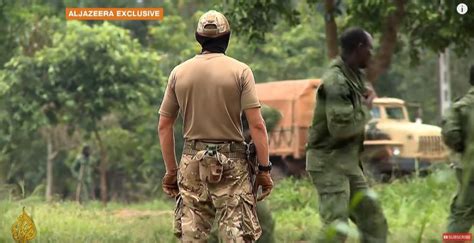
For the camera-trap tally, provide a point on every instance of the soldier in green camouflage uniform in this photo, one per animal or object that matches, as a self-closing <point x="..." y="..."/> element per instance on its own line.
<point x="458" y="135"/>
<point x="82" y="171"/>
<point x="335" y="144"/>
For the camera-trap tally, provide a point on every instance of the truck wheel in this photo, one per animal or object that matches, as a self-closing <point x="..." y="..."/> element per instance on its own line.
<point x="295" y="167"/>
<point x="279" y="170"/>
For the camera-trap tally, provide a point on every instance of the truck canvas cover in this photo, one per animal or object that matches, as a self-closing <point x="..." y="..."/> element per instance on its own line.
<point x="295" y="99"/>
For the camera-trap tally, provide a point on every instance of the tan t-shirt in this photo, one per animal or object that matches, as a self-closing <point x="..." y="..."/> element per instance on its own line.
<point x="210" y="91"/>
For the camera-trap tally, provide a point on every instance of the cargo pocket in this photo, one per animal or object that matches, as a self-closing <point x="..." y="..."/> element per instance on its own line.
<point x="326" y="182"/>
<point x="250" y="224"/>
<point x="178" y="214"/>
<point x="314" y="160"/>
<point x="333" y="193"/>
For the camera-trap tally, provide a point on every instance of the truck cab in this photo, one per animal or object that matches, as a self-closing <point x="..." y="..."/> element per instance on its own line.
<point x="417" y="140"/>
<point x="407" y="146"/>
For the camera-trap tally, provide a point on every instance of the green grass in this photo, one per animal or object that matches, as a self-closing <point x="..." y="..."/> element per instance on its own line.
<point x="70" y="222"/>
<point x="416" y="210"/>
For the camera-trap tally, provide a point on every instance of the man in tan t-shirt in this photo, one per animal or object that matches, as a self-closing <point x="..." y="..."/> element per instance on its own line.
<point x="210" y="91"/>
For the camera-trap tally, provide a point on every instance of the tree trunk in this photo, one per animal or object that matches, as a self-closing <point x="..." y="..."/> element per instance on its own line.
<point x="331" y="28"/>
<point x="388" y="41"/>
<point x="56" y="139"/>
<point x="102" y="167"/>
<point x="50" y="156"/>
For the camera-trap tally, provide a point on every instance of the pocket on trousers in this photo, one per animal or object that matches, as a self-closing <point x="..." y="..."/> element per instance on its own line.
<point x="326" y="182"/>
<point x="314" y="161"/>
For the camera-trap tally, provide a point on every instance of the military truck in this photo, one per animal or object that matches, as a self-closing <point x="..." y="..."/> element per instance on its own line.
<point x="393" y="144"/>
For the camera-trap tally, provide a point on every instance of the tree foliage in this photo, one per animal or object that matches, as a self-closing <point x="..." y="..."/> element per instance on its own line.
<point x="257" y="17"/>
<point x="86" y="73"/>
<point x="18" y="25"/>
<point x="426" y="24"/>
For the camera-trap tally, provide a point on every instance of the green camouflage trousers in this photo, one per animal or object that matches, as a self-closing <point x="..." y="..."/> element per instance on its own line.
<point x="84" y="191"/>
<point x="461" y="215"/>
<point x="230" y="201"/>
<point x="344" y="194"/>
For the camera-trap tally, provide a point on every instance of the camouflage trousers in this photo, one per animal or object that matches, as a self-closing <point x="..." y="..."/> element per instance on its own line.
<point x="230" y="201"/>
<point x="344" y="194"/>
<point x="461" y="215"/>
<point x="266" y="222"/>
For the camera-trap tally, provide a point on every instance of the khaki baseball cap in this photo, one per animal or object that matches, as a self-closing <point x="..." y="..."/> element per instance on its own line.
<point x="212" y="24"/>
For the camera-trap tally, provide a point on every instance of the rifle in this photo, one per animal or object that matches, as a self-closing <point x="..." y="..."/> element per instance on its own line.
<point x="253" y="166"/>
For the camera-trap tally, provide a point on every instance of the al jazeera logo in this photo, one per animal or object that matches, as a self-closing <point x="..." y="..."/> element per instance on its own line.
<point x="24" y="229"/>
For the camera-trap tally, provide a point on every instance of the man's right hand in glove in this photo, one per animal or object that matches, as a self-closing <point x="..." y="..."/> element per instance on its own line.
<point x="170" y="183"/>
<point x="265" y="181"/>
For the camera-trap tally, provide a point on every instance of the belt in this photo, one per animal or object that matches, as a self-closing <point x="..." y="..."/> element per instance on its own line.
<point x="229" y="149"/>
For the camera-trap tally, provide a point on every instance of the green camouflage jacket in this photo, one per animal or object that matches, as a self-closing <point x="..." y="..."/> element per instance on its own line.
<point x="337" y="131"/>
<point x="457" y="125"/>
